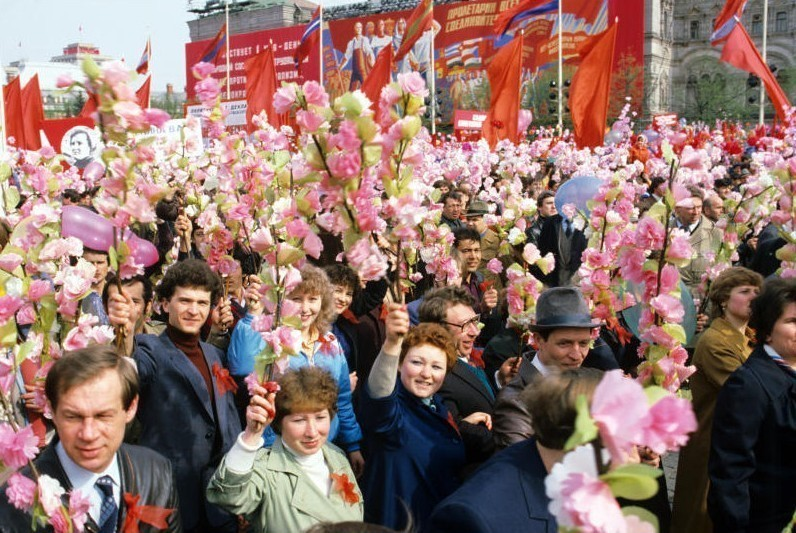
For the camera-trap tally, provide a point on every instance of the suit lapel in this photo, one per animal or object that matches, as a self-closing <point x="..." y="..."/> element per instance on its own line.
<point x="471" y="379"/>
<point x="189" y="373"/>
<point x="531" y="480"/>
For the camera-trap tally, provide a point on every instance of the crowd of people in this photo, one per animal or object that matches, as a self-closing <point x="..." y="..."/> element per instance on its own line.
<point x="429" y="409"/>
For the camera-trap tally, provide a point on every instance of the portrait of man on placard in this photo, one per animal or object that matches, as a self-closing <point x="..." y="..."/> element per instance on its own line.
<point x="81" y="146"/>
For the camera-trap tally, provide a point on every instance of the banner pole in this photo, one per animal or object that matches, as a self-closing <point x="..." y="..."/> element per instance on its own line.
<point x="229" y="35"/>
<point x="320" y="41"/>
<point x="433" y="78"/>
<point x="762" y="116"/>
<point x="560" y="67"/>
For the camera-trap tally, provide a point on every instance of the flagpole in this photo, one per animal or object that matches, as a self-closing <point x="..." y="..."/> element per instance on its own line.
<point x="763" y="53"/>
<point x="433" y="76"/>
<point x="229" y="34"/>
<point x="320" y="42"/>
<point x="519" y="89"/>
<point x="560" y="66"/>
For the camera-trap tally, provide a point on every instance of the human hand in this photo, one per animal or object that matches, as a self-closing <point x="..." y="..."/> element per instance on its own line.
<point x="701" y="321"/>
<point x="490" y="299"/>
<point x="251" y="293"/>
<point x="259" y="414"/>
<point x="120" y="311"/>
<point x="397" y="326"/>
<point x="357" y="462"/>
<point x="31" y="397"/>
<point x="353" y="379"/>
<point x="479" y="418"/>
<point x="509" y="369"/>
<point x="222" y="316"/>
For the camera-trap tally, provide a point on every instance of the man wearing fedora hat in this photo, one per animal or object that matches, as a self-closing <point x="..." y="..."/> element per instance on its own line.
<point x="490" y="242"/>
<point x="563" y="334"/>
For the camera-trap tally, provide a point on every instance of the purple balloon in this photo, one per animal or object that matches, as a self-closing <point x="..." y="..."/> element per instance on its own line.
<point x="143" y="251"/>
<point x="578" y="191"/>
<point x="93" y="230"/>
<point x="93" y="172"/>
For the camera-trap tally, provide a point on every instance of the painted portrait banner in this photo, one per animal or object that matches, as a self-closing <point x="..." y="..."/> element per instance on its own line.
<point x="463" y="46"/>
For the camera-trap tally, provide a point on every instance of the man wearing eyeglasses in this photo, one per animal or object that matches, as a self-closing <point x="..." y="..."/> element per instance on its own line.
<point x="704" y="237"/>
<point x="467" y="388"/>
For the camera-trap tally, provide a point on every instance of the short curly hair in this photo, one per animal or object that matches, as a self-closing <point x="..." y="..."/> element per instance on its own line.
<point x="315" y="281"/>
<point x="305" y="390"/>
<point x="433" y="335"/>
<point x="191" y="273"/>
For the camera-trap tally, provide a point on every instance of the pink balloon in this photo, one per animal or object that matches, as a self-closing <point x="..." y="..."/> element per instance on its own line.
<point x="93" y="172"/>
<point x="95" y="231"/>
<point x="143" y="251"/>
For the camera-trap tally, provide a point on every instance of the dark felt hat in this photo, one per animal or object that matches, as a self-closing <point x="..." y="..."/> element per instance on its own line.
<point x="562" y="307"/>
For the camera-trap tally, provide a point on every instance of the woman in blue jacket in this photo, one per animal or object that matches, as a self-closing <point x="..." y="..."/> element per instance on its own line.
<point x="413" y="445"/>
<point x="319" y="348"/>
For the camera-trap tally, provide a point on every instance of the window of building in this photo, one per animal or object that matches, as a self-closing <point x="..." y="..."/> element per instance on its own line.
<point x="757" y="24"/>
<point x="781" y="21"/>
<point x="694" y="29"/>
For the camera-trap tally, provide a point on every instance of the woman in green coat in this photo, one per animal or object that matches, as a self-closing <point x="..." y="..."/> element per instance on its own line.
<point x="721" y="349"/>
<point x="302" y="479"/>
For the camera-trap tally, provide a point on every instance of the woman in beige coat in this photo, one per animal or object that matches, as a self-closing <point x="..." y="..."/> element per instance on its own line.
<point x="721" y="349"/>
<point x="302" y="479"/>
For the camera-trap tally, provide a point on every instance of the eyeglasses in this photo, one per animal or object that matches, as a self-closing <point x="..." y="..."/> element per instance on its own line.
<point x="474" y="321"/>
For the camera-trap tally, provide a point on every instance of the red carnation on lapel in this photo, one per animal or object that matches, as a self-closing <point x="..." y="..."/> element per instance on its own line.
<point x="149" y="514"/>
<point x="224" y="382"/>
<point x="346" y="488"/>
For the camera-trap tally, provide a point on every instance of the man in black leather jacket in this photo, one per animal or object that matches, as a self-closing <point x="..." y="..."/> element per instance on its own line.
<point x="93" y="394"/>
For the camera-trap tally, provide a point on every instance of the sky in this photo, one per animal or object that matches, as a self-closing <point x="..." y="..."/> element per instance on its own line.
<point x="36" y="30"/>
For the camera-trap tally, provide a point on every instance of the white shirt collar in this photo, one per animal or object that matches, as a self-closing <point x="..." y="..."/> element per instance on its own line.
<point x="543" y="370"/>
<point x="84" y="480"/>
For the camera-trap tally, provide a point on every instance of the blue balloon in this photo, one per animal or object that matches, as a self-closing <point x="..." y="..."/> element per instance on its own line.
<point x="578" y="191"/>
<point x="632" y="315"/>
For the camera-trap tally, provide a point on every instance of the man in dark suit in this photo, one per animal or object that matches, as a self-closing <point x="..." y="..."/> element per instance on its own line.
<point x="93" y="394"/>
<point x="562" y="333"/>
<point x="508" y="492"/>
<point x="566" y="242"/>
<point x="186" y="411"/>
<point x="467" y="389"/>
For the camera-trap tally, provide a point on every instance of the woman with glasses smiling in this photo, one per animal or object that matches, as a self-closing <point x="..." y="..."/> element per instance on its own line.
<point x="415" y="450"/>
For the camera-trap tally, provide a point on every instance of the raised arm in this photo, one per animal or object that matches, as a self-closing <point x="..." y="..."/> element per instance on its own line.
<point x="381" y="381"/>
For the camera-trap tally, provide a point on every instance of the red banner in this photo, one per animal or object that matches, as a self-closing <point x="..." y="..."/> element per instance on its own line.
<point x="463" y="47"/>
<point x="246" y="45"/>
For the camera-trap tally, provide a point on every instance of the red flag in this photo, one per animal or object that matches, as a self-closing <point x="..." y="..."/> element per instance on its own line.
<point x="725" y="21"/>
<point x="142" y="94"/>
<point x="504" y="79"/>
<point x="380" y="76"/>
<point x="310" y="38"/>
<point x="14" y="116"/>
<point x="90" y="106"/>
<point x="418" y="22"/>
<point x="740" y="52"/>
<point x="33" y="113"/>
<point x="591" y="87"/>
<point x="522" y="11"/>
<point x="143" y="63"/>
<point x="583" y="9"/>
<point x="211" y="53"/>
<point x="260" y="88"/>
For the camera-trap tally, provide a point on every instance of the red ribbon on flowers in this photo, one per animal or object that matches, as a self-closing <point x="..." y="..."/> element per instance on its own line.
<point x="384" y="312"/>
<point x="149" y="514"/>
<point x="485" y="285"/>
<point x="622" y="334"/>
<point x="224" y="382"/>
<point x="346" y="488"/>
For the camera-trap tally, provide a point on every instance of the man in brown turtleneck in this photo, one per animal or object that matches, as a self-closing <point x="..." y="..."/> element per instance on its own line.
<point x="185" y="409"/>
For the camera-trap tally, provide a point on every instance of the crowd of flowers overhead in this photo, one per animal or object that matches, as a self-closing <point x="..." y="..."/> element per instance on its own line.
<point x="364" y="172"/>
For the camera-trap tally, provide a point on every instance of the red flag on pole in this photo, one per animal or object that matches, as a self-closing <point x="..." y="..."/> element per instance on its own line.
<point x="583" y="9"/>
<point x="12" y="100"/>
<point x="725" y="21"/>
<point x="380" y="76"/>
<point x="33" y="113"/>
<point x="142" y="94"/>
<point x="591" y="87"/>
<point x="523" y="11"/>
<point x="143" y="63"/>
<point x="740" y="52"/>
<point x="212" y="52"/>
<point x="419" y="21"/>
<point x="504" y="79"/>
<point x="260" y="88"/>
<point x="309" y="40"/>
